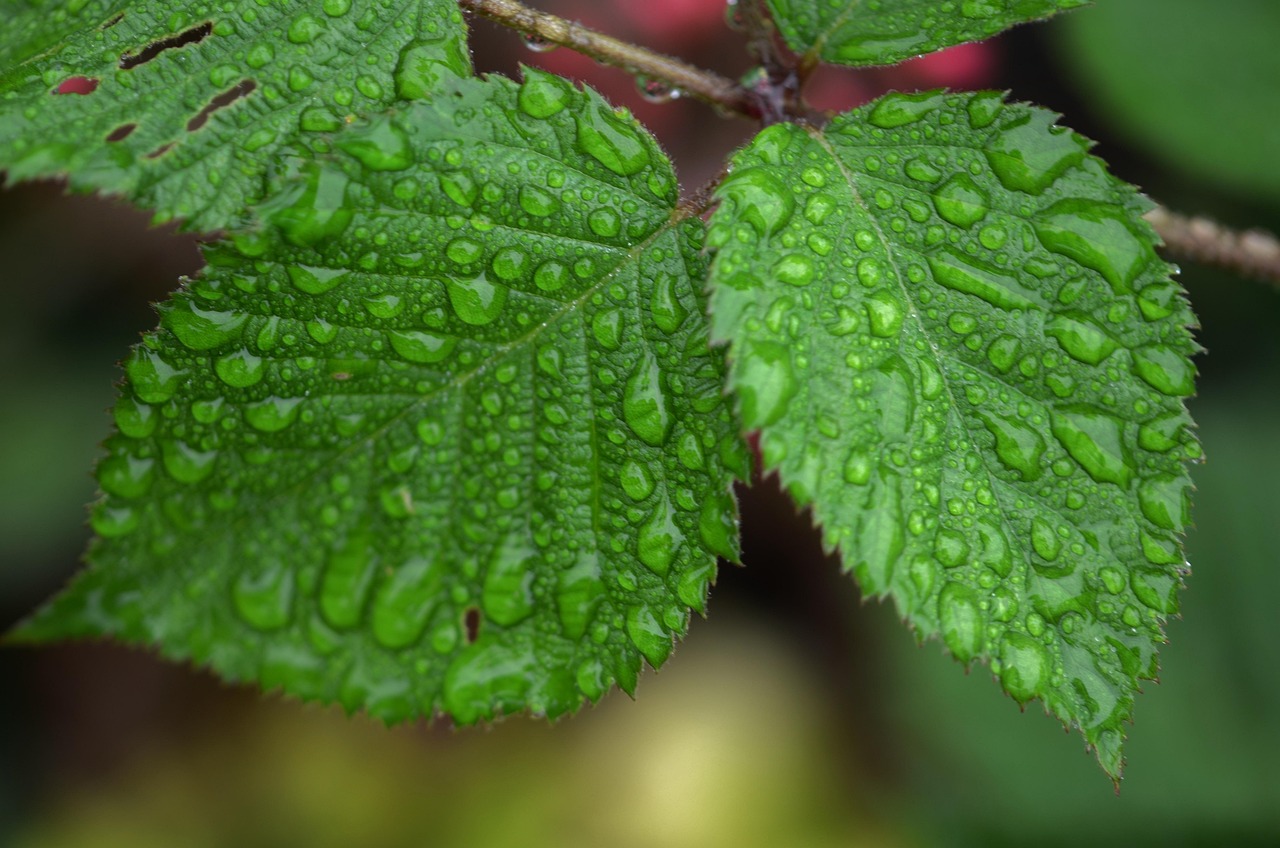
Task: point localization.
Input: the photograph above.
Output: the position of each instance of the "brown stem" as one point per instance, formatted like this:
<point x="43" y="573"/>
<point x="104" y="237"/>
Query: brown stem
<point x="705" y="85"/>
<point x="1253" y="253"/>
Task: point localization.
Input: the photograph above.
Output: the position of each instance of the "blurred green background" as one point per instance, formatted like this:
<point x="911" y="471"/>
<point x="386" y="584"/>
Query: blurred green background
<point x="795" y="715"/>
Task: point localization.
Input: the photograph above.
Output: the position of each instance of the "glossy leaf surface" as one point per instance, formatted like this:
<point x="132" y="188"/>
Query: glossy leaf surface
<point x="440" y="434"/>
<point x="951" y="327"/>
<point x="181" y="107"/>
<point x="882" y="32"/>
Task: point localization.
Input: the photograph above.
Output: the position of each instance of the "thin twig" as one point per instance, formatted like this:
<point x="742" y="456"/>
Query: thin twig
<point x="1253" y="253"/>
<point x="704" y="85"/>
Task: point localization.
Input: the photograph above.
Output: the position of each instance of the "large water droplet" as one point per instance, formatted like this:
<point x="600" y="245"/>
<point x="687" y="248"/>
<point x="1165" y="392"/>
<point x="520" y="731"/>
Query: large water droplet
<point x="1024" y="666"/>
<point x="959" y="201"/>
<point x="348" y="577"/>
<point x="1030" y="153"/>
<point x="959" y="272"/>
<point x="1018" y="446"/>
<point x="405" y="601"/>
<point x="379" y="145"/>
<point x="667" y="310"/>
<point x="1045" y="540"/>
<point x="264" y="596"/>
<point x="1099" y="236"/>
<point x="645" y="406"/>
<point x="1096" y="441"/>
<point x="542" y="94"/>
<point x="951" y="548"/>
<point x="272" y="414"/>
<point x="648" y="635"/>
<point x="487" y="678"/>
<point x="659" y="538"/>
<point x="312" y="210"/>
<point x="422" y="67"/>
<point x="1164" y="501"/>
<point x="201" y="329"/>
<point x="187" y="464"/>
<point x="153" y="379"/>
<point x="760" y="198"/>
<point x="579" y="592"/>
<point x="961" y="620"/>
<point x="885" y="314"/>
<point x="611" y="141"/>
<point x="1157" y="588"/>
<point x="126" y="476"/>
<point x="476" y="300"/>
<point x="795" y="269"/>
<point x="315" y="280"/>
<point x="135" y="420"/>
<point x="240" y="369"/>
<point x="765" y="381"/>
<point x="1081" y="338"/>
<point x="718" y="526"/>
<point x="1165" y="369"/>
<point x="897" y="110"/>
<point x="507" y="596"/>
<point x="421" y="346"/>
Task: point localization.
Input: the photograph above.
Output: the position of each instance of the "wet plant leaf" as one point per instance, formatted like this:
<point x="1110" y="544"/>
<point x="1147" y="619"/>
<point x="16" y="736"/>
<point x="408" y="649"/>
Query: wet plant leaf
<point x="182" y="107"/>
<point x="437" y="435"/>
<point x="950" y="325"/>
<point x="882" y="32"/>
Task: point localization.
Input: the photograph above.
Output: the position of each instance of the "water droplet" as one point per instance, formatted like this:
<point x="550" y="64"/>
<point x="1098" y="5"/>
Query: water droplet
<point x="718" y="526"/>
<point x="606" y="326"/>
<point x="1165" y="369"/>
<point x="348" y="577"/>
<point x="312" y="210"/>
<point x="537" y="202"/>
<point x="1096" y="441"/>
<point x="507" y="596"/>
<point x="542" y="94"/>
<point x="1099" y="236"/>
<point x="1029" y="154"/>
<point x="645" y="406"/>
<point x="201" y="329"/>
<point x="112" y="521"/>
<point x="795" y="269"/>
<point x="1004" y="352"/>
<point x="604" y="222"/>
<point x="656" y="90"/>
<point x="305" y="29"/>
<point x="422" y="67"/>
<point x="537" y="43"/>
<point x="959" y="272"/>
<point x="405" y="601"/>
<point x="379" y="145"/>
<point x="421" y="346"/>
<point x="476" y="300"/>
<point x="187" y="464"/>
<point x="126" y="476"/>
<point x="765" y="382"/>
<point x="636" y="479"/>
<point x="759" y="198"/>
<point x="135" y="420"/>
<point x="1045" y="540"/>
<point x="579" y="592"/>
<point x="950" y="548"/>
<point x="961" y="620"/>
<point x="611" y="141"/>
<point x="264" y="596"/>
<point x="1024" y="666"/>
<point x="857" y="468"/>
<point x="885" y="314"/>
<point x="959" y="201"/>
<point x="648" y="635"/>
<point x="897" y="110"/>
<point x="658" y="539"/>
<point x="984" y="107"/>
<point x="1161" y="434"/>
<point x="488" y="678"/>
<point x="1164" y="501"/>
<point x="1081" y="338"/>
<point x="922" y="170"/>
<point x="665" y="306"/>
<point x="314" y="280"/>
<point x="273" y="414"/>
<point x="240" y="369"/>
<point x="1157" y="588"/>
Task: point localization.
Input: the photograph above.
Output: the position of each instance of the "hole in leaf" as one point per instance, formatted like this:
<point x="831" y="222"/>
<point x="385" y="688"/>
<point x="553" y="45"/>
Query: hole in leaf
<point x="226" y="98"/>
<point x="471" y="624"/>
<point x="160" y="151"/>
<point x="113" y="21"/>
<point x="121" y="132"/>
<point x="191" y="36"/>
<point x="77" y="85"/>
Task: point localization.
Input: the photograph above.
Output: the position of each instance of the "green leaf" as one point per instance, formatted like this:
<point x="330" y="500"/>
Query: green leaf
<point x="1156" y="70"/>
<point x="460" y="380"/>
<point x="951" y="327"/>
<point x="882" y="32"/>
<point x="191" y="101"/>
